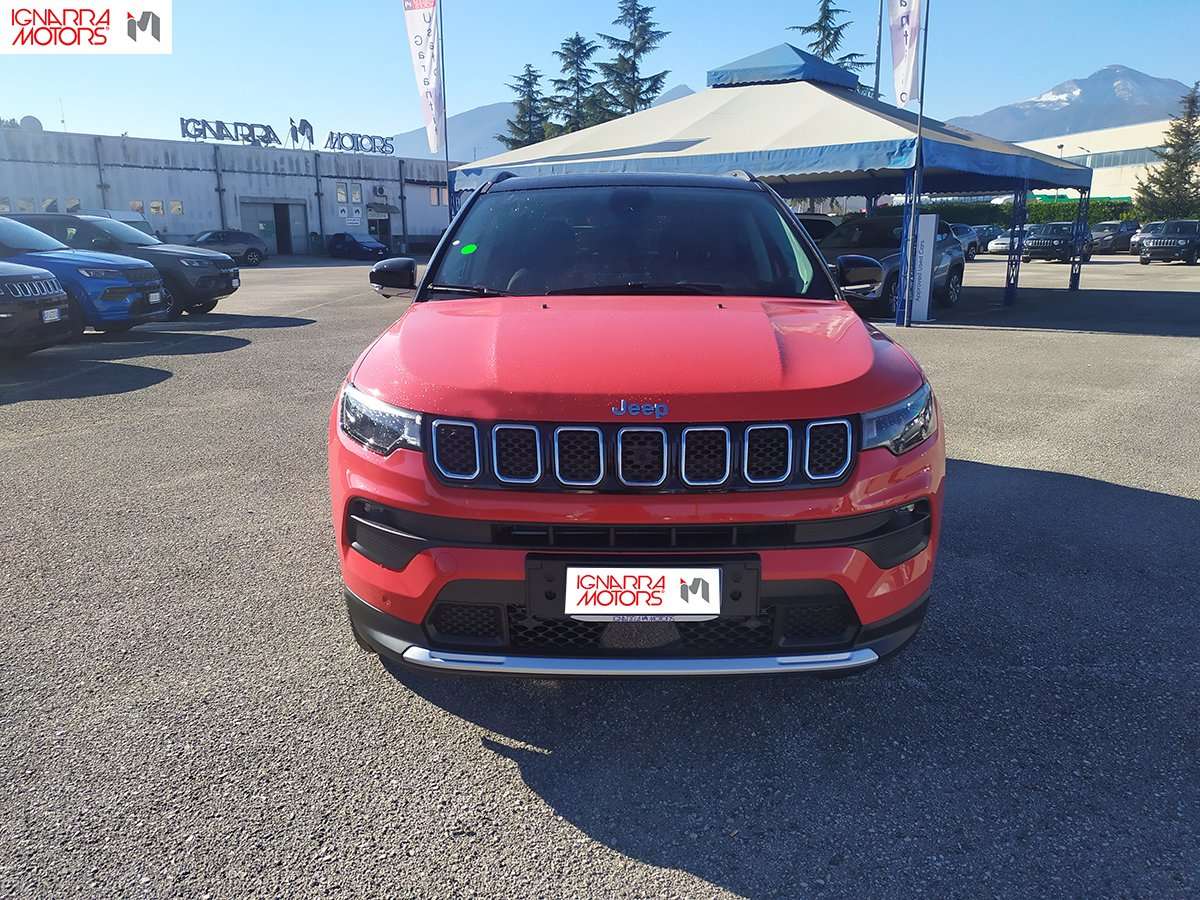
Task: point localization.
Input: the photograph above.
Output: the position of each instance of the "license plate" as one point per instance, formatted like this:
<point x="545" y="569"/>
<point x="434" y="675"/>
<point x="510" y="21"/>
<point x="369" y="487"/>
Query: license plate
<point x="627" y="594"/>
<point x="52" y="315"/>
<point x="155" y="297"/>
<point x="235" y="282"/>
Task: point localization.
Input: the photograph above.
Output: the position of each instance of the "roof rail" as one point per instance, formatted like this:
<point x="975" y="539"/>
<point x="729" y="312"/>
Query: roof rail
<point x="742" y="174"/>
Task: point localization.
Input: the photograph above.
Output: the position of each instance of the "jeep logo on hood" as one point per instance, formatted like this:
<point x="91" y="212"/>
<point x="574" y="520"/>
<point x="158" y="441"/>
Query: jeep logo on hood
<point x="629" y="408"/>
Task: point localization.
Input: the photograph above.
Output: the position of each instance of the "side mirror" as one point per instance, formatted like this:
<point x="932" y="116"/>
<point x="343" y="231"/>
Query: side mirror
<point x="858" y="274"/>
<point x="391" y="277"/>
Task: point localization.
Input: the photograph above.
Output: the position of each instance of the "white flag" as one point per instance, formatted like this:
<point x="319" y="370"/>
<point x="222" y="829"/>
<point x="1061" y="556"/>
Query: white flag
<point x="426" y="45"/>
<point x="904" y="20"/>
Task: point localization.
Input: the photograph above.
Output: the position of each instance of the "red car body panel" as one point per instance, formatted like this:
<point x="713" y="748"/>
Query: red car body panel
<point x="568" y="359"/>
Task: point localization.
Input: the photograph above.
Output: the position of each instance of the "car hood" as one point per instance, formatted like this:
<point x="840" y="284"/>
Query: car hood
<point x="86" y="258"/>
<point x="572" y="359"/>
<point x="178" y="251"/>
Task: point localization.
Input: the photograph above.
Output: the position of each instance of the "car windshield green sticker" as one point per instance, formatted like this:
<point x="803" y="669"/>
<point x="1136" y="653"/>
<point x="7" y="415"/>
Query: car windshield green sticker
<point x="468" y="249"/>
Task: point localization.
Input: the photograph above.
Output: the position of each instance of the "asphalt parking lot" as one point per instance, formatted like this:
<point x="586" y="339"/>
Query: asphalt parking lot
<point x="185" y="712"/>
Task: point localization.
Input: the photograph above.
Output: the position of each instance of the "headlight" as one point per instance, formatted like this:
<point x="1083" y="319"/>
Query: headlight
<point x="100" y="273"/>
<point x="376" y="425"/>
<point x="903" y="425"/>
<point x="196" y="263"/>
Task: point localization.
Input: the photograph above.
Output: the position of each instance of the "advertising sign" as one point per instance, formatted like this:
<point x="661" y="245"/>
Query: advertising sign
<point x="86" y="28"/>
<point x="904" y="22"/>
<point x="420" y="16"/>
<point x="923" y="278"/>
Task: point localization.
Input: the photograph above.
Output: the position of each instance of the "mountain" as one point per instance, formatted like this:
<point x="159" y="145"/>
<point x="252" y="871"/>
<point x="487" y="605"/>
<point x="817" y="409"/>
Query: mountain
<point x="473" y="133"/>
<point x="1115" y="95"/>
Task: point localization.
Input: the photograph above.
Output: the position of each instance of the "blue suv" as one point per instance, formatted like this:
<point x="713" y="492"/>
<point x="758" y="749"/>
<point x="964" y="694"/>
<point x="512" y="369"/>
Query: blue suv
<point x="107" y="291"/>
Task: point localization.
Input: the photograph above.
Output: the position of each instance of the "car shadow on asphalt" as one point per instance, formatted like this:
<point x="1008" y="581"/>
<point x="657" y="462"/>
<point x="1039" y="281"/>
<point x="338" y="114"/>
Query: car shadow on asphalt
<point x="96" y="365"/>
<point x="218" y="321"/>
<point x="1037" y="729"/>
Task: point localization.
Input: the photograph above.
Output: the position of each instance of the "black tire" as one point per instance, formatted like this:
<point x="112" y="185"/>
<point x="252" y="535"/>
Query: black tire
<point x="252" y="257"/>
<point x="201" y="309"/>
<point x="1144" y="260"/>
<point x="171" y="299"/>
<point x="949" y="296"/>
<point x="889" y="297"/>
<point x="1026" y="259"/>
<point x="1190" y="259"/>
<point x="972" y="252"/>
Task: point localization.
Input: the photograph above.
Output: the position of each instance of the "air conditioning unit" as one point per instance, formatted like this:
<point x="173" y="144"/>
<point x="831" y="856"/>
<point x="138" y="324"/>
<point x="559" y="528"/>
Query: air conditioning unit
<point x="380" y="191"/>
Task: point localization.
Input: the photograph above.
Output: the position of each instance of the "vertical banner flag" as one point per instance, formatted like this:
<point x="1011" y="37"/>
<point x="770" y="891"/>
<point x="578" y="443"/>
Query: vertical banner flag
<point x="904" y="22"/>
<point x="425" y="43"/>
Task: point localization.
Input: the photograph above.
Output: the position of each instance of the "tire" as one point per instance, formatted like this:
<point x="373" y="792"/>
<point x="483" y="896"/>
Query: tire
<point x="950" y="294"/>
<point x="1026" y="259"/>
<point x="174" y="310"/>
<point x="252" y="257"/>
<point x="201" y="309"/>
<point x="1144" y="260"/>
<point x="972" y="252"/>
<point x="887" y="302"/>
<point x="1190" y="259"/>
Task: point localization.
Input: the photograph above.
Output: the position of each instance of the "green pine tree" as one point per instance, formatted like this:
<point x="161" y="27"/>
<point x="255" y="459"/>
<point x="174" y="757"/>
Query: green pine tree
<point x="1171" y="189"/>
<point x="827" y="36"/>
<point x="575" y="91"/>
<point x="626" y="89"/>
<point x="529" y="121"/>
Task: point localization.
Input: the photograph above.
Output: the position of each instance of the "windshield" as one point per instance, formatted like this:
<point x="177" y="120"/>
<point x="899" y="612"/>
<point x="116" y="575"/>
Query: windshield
<point x="627" y="240"/>
<point x="1105" y="227"/>
<point x="865" y="234"/>
<point x="1057" y="229"/>
<point x="17" y="237"/>
<point x="1153" y="228"/>
<point x="126" y="234"/>
<point x="1181" y="228"/>
<point x="365" y="238"/>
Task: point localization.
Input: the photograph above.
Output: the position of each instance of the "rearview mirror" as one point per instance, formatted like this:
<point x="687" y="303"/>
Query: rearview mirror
<point x="858" y="274"/>
<point x="391" y="277"/>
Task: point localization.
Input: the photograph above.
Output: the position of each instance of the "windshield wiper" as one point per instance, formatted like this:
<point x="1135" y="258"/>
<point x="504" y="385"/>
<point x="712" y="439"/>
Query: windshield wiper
<point x="644" y="287"/>
<point x="475" y="290"/>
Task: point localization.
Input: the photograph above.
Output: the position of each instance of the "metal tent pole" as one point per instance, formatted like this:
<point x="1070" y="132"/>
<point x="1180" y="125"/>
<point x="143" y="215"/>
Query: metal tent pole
<point x="1078" y="236"/>
<point x="1016" y="243"/>
<point x="905" y="309"/>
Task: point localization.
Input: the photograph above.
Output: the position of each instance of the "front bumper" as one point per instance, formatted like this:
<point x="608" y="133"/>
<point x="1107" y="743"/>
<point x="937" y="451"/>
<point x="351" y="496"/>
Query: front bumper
<point x="1165" y="253"/>
<point x="1062" y="254"/>
<point x="22" y="326"/>
<point x="200" y="284"/>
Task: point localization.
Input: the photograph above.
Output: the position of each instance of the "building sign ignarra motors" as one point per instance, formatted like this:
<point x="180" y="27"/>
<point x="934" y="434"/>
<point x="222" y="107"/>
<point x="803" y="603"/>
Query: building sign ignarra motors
<point x="258" y="133"/>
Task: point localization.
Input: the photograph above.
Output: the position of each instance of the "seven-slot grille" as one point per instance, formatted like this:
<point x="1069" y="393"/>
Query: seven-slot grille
<point x="141" y="275"/>
<point x="616" y="458"/>
<point x="42" y="287"/>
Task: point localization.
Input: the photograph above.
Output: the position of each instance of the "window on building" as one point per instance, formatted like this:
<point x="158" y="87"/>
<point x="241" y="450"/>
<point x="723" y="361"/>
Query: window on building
<point x="50" y="205"/>
<point x="156" y="208"/>
<point x="341" y="192"/>
<point x="177" y="207"/>
<point x="137" y="206"/>
<point x="356" y="193"/>
<point x="73" y="205"/>
<point x="5" y="205"/>
<point x="25" y="204"/>
<point x="437" y="196"/>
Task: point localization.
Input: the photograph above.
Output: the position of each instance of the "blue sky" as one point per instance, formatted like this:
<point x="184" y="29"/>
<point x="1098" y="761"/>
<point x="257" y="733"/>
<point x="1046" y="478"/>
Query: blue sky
<point x="344" y="65"/>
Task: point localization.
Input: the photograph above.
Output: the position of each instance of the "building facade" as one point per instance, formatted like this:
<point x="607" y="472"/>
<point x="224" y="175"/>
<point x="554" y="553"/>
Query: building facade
<point x="293" y="199"/>
<point x="1117" y="156"/>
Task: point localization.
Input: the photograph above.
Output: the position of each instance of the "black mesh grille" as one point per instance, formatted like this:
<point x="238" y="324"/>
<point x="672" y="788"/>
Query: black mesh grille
<point x="579" y="456"/>
<point x="454" y="449"/>
<point x="139" y="275"/>
<point x="642" y="456"/>
<point x="466" y="623"/>
<point x="705" y="456"/>
<point x="817" y="623"/>
<point x="516" y="454"/>
<point x="828" y="449"/>
<point x="768" y="453"/>
<point x="716" y="637"/>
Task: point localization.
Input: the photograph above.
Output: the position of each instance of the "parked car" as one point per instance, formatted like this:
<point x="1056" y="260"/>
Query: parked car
<point x="652" y="373"/>
<point x="1179" y="239"/>
<point x="356" y="246"/>
<point x="104" y="290"/>
<point x="1055" y="240"/>
<point x="968" y="238"/>
<point x="817" y="225"/>
<point x="1147" y="230"/>
<point x="1113" y="237"/>
<point x="987" y="234"/>
<point x="1002" y="242"/>
<point x="33" y="310"/>
<point x="193" y="279"/>
<point x="879" y="239"/>
<point x="248" y="249"/>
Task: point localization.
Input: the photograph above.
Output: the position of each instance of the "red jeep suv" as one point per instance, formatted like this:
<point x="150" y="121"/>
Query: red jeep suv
<point x="629" y="426"/>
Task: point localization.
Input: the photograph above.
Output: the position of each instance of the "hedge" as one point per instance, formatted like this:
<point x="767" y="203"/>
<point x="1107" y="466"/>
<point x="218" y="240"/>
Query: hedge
<point x="1038" y="211"/>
